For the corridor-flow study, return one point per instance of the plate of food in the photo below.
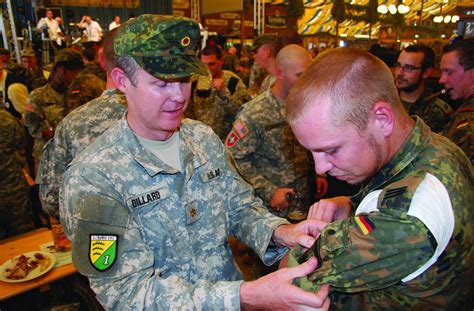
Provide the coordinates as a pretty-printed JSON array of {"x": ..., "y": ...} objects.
[{"x": 26, "y": 266}]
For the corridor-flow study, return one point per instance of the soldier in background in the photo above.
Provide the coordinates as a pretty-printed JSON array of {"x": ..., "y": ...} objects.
[
  {"x": 78, "y": 130},
  {"x": 414, "y": 66},
  {"x": 261, "y": 141},
  {"x": 161, "y": 194},
  {"x": 16, "y": 211},
  {"x": 404, "y": 242},
  {"x": 39, "y": 75},
  {"x": 457, "y": 65},
  {"x": 46, "y": 104},
  {"x": 216, "y": 99}
]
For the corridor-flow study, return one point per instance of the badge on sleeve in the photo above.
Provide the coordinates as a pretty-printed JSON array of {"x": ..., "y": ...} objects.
[
  {"x": 232, "y": 139},
  {"x": 240, "y": 128},
  {"x": 365, "y": 225},
  {"x": 103, "y": 251}
]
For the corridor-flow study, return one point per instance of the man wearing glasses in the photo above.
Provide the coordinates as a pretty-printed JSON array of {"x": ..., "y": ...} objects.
[{"x": 414, "y": 66}]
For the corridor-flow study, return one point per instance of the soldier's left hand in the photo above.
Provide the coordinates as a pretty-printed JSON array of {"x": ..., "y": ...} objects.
[{"x": 304, "y": 233}]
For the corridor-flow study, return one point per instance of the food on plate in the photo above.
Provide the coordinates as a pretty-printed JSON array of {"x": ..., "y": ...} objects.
[{"x": 22, "y": 265}]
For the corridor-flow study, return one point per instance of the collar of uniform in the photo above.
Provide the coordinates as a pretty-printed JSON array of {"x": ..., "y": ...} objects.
[
  {"x": 190, "y": 150},
  {"x": 414, "y": 144},
  {"x": 110, "y": 92}
]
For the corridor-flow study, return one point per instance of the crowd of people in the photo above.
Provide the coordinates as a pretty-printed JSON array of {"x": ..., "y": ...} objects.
[{"x": 162, "y": 150}]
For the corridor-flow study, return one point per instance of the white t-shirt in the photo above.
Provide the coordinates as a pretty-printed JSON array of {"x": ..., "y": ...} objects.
[
  {"x": 53, "y": 27},
  {"x": 113, "y": 25},
  {"x": 93, "y": 31}
]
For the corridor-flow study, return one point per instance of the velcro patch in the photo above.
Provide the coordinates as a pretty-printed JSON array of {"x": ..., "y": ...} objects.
[
  {"x": 240, "y": 128},
  {"x": 102, "y": 251},
  {"x": 364, "y": 223},
  {"x": 232, "y": 139}
]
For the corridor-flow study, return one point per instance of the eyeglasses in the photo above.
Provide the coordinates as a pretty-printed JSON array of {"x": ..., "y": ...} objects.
[{"x": 406, "y": 68}]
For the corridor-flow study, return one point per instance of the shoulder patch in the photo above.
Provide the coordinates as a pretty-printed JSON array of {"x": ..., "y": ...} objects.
[
  {"x": 364, "y": 224},
  {"x": 240, "y": 128},
  {"x": 102, "y": 251},
  {"x": 462, "y": 124},
  {"x": 232, "y": 139}
]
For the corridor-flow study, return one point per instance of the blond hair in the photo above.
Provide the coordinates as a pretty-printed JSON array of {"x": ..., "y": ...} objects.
[{"x": 351, "y": 80}]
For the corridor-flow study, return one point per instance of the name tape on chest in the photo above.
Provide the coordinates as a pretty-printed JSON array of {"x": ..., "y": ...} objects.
[{"x": 144, "y": 198}]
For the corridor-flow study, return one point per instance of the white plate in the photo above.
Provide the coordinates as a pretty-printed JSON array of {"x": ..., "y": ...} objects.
[{"x": 33, "y": 274}]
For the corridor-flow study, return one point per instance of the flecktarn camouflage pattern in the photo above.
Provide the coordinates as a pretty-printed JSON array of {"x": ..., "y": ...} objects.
[{"x": 164, "y": 46}]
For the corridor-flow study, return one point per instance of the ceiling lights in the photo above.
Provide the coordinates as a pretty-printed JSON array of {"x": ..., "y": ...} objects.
[{"x": 393, "y": 9}]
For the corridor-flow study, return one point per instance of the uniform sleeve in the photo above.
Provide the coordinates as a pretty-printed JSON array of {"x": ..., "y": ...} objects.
[
  {"x": 34, "y": 120},
  {"x": 243, "y": 151},
  {"x": 127, "y": 278},
  {"x": 56, "y": 157},
  {"x": 461, "y": 132},
  {"x": 232, "y": 102},
  {"x": 357, "y": 255}
]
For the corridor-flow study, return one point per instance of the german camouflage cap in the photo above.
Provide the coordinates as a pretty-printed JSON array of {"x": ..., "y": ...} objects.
[
  {"x": 28, "y": 53},
  {"x": 164, "y": 46},
  {"x": 263, "y": 39}
]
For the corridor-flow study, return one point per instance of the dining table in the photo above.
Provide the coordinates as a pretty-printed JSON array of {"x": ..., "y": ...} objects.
[{"x": 29, "y": 242}]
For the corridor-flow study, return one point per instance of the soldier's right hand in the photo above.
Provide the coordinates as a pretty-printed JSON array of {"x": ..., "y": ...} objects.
[
  {"x": 276, "y": 291},
  {"x": 329, "y": 210}
]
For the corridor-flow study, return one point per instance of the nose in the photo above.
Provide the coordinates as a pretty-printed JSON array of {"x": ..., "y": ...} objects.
[
  {"x": 179, "y": 91},
  {"x": 442, "y": 79},
  {"x": 321, "y": 163},
  {"x": 398, "y": 71}
]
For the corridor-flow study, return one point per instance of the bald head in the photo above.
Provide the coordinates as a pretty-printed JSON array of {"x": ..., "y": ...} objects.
[
  {"x": 291, "y": 62},
  {"x": 292, "y": 54}
]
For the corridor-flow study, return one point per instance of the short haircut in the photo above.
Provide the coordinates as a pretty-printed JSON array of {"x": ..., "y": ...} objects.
[
  {"x": 428, "y": 54},
  {"x": 351, "y": 80},
  {"x": 212, "y": 50},
  {"x": 129, "y": 67},
  {"x": 274, "y": 47},
  {"x": 109, "y": 50},
  {"x": 465, "y": 50},
  {"x": 89, "y": 54}
]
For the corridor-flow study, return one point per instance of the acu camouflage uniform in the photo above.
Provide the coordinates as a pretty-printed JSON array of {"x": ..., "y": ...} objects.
[
  {"x": 265, "y": 149},
  {"x": 84, "y": 88},
  {"x": 461, "y": 128},
  {"x": 172, "y": 226},
  {"x": 365, "y": 271},
  {"x": 75, "y": 132},
  {"x": 217, "y": 108},
  {"x": 49, "y": 105},
  {"x": 435, "y": 112},
  {"x": 16, "y": 213}
]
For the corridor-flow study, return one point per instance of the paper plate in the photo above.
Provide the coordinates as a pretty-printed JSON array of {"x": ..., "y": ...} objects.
[{"x": 32, "y": 274}]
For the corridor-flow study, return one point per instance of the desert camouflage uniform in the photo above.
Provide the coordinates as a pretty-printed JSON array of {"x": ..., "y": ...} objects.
[
  {"x": 365, "y": 270},
  {"x": 216, "y": 108},
  {"x": 267, "y": 83},
  {"x": 265, "y": 149},
  {"x": 436, "y": 112},
  {"x": 49, "y": 105},
  {"x": 172, "y": 226},
  {"x": 16, "y": 213},
  {"x": 461, "y": 128},
  {"x": 75, "y": 132},
  {"x": 95, "y": 69}
]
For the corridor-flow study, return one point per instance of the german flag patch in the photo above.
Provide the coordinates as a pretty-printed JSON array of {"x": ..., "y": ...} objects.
[{"x": 364, "y": 223}]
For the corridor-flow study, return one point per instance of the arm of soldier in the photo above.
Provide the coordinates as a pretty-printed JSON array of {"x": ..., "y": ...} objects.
[
  {"x": 243, "y": 151},
  {"x": 131, "y": 277},
  {"x": 463, "y": 136},
  {"x": 34, "y": 116},
  {"x": 332, "y": 209},
  {"x": 56, "y": 157},
  {"x": 232, "y": 102}
]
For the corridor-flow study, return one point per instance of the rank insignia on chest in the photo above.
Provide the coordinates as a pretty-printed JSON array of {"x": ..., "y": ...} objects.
[
  {"x": 102, "y": 251},
  {"x": 232, "y": 139},
  {"x": 213, "y": 174},
  {"x": 365, "y": 224}
]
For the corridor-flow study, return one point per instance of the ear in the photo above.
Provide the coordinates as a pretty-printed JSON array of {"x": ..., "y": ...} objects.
[
  {"x": 267, "y": 51},
  {"x": 120, "y": 79},
  {"x": 279, "y": 73},
  {"x": 101, "y": 58},
  {"x": 427, "y": 73},
  {"x": 382, "y": 117}
]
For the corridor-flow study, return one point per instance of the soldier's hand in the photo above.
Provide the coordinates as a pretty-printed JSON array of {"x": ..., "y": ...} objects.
[
  {"x": 279, "y": 201},
  {"x": 276, "y": 291},
  {"x": 303, "y": 233},
  {"x": 218, "y": 84},
  {"x": 329, "y": 210}
]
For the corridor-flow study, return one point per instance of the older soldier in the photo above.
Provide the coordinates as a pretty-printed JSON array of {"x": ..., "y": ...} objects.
[
  {"x": 78, "y": 130},
  {"x": 261, "y": 140},
  {"x": 414, "y": 66},
  {"x": 16, "y": 211},
  {"x": 457, "y": 65},
  {"x": 216, "y": 99},
  {"x": 408, "y": 242},
  {"x": 46, "y": 104},
  {"x": 149, "y": 204}
]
